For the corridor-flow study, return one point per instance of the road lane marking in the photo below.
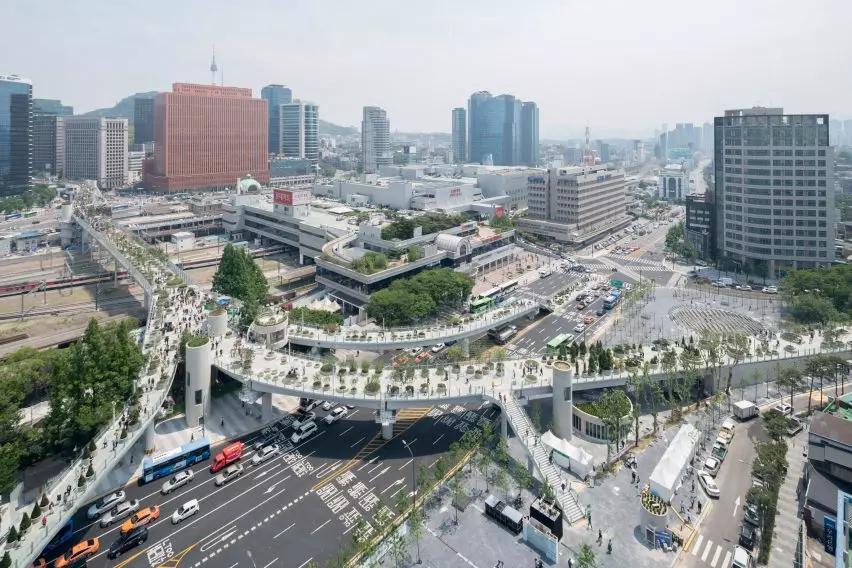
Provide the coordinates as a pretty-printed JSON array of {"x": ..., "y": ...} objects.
[
  {"x": 345, "y": 431},
  {"x": 331, "y": 468},
  {"x": 405, "y": 464},
  {"x": 716, "y": 556},
  {"x": 438, "y": 439},
  {"x": 306, "y": 562},
  {"x": 397, "y": 491},
  {"x": 276, "y": 484},
  {"x": 433, "y": 463},
  {"x": 319, "y": 527},
  {"x": 358, "y": 442},
  {"x": 381, "y": 473},
  {"x": 271, "y": 563},
  {"x": 707, "y": 550},
  {"x": 727, "y": 561},
  {"x": 697, "y": 546},
  {"x": 392, "y": 485},
  {"x": 369, "y": 463},
  {"x": 374, "y": 469},
  {"x": 217, "y": 540},
  {"x": 285, "y": 530}
]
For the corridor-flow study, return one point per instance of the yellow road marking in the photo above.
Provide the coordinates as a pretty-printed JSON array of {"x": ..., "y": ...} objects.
[{"x": 174, "y": 561}]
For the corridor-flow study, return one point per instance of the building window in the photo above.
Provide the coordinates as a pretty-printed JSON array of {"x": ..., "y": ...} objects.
[{"x": 198, "y": 397}]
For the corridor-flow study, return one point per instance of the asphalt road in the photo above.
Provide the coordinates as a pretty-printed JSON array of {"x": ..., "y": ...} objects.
[{"x": 296, "y": 508}]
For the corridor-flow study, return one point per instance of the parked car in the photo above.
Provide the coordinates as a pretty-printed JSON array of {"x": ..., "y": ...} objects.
[
  {"x": 105, "y": 504},
  {"x": 335, "y": 415},
  {"x": 177, "y": 481},
  {"x": 751, "y": 515},
  {"x": 783, "y": 408},
  {"x": 230, "y": 473},
  {"x": 709, "y": 484},
  {"x": 127, "y": 541},
  {"x": 770, "y": 290},
  {"x": 185, "y": 511},
  {"x": 326, "y": 406},
  {"x": 120, "y": 511},
  {"x": 748, "y": 536},
  {"x": 579, "y": 327},
  {"x": 303, "y": 419},
  {"x": 711, "y": 466},
  {"x": 265, "y": 454},
  {"x": 143, "y": 517},
  {"x": 600, "y": 312},
  {"x": 438, "y": 348}
]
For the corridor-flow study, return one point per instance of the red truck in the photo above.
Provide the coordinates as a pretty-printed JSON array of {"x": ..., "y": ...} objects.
[{"x": 227, "y": 456}]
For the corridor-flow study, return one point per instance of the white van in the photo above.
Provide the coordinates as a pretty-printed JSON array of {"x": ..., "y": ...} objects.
[{"x": 304, "y": 432}]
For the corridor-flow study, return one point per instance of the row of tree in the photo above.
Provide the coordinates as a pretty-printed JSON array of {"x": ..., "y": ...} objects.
[
  {"x": 85, "y": 384},
  {"x": 769, "y": 466},
  {"x": 676, "y": 241},
  {"x": 410, "y": 300},
  {"x": 38, "y": 196},
  {"x": 403, "y": 227},
  {"x": 820, "y": 295}
]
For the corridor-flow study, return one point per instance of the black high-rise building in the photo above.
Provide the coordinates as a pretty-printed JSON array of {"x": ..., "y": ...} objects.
[
  {"x": 529, "y": 134},
  {"x": 16, "y": 138},
  {"x": 275, "y": 96},
  {"x": 143, "y": 120},
  {"x": 49, "y": 135}
]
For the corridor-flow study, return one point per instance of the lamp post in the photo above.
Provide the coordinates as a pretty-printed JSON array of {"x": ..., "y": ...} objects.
[{"x": 413, "y": 492}]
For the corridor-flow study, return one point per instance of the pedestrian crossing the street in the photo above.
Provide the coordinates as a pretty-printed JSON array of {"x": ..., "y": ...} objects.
[{"x": 711, "y": 553}]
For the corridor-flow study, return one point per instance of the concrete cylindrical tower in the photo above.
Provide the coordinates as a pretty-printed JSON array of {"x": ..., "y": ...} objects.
[
  {"x": 217, "y": 323},
  {"x": 66, "y": 226},
  {"x": 563, "y": 378},
  {"x": 199, "y": 358}
]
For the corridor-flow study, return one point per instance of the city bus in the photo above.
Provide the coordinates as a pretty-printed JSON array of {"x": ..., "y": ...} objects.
[
  {"x": 503, "y": 335},
  {"x": 500, "y": 290},
  {"x": 480, "y": 304},
  {"x": 555, "y": 344},
  {"x": 16, "y": 215},
  {"x": 176, "y": 459}
]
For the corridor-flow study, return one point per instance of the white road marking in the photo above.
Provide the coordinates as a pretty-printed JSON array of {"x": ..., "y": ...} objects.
[
  {"x": 274, "y": 485},
  {"x": 319, "y": 527},
  {"x": 232, "y": 566},
  {"x": 271, "y": 563},
  {"x": 405, "y": 464},
  {"x": 697, "y": 545},
  {"x": 345, "y": 431},
  {"x": 707, "y": 550},
  {"x": 285, "y": 530},
  {"x": 214, "y": 542},
  {"x": 306, "y": 562},
  {"x": 369, "y": 463},
  {"x": 384, "y": 471},
  {"x": 433, "y": 463},
  {"x": 438, "y": 439},
  {"x": 374, "y": 469},
  {"x": 397, "y": 491},
  {"x": 358, "y": 442},
  {"x": 392, "y": 485},
  {"x": 716, "y": 556},
  {"x": 330, "y": 469},
  {"x": 727, "y": 560}
]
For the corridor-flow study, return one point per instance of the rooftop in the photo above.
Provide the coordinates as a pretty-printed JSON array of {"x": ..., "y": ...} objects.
[
  {"x": 832, "y": 427},
  {"x": 841, "y": 407}
]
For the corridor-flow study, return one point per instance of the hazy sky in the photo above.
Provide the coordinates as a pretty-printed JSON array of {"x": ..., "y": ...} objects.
[{"x": 620, "y": 66}]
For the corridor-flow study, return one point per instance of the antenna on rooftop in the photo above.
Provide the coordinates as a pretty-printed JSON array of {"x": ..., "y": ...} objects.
[{"x": 213, "y": 67}]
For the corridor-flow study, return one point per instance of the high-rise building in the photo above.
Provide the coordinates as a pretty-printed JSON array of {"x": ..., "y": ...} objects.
[
  {"x": 143, "y": 120},
  {"x": 207, "y": 136},
  {"x": 51, "y": 107},
  {"x": 529, "y": 134},
  {"x": 375, "y": 140},
  {"x": 707, "y": 138},
  {"x": 16, "y": 138},
  {"x": 275, "y": 96},
  {"x": 774, "y": 191},
  {"x": 49, "y": 135},
  {"x": 96, "y": 148},
  {"x": 603, "y": 152},
  {"x": 459, "y": 135},
  {"x": 299, "y": 128}
]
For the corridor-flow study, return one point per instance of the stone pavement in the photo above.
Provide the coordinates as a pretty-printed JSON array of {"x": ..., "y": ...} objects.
[{"x": 787, "y": 518}]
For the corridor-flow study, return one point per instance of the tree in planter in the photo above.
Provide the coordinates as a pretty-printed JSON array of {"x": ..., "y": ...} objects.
[
  {"x": 44, "y": 500},
  {"x": 36, "y": 512},
  {"x": 536, "y": 418},
  {"x": 457, "y": 491},
  {"x": 483, "y": 464},
  {"x": 379, "y": 366},
  {"x": 365, "y": 367},
  {"x": 586, "y": 557},
  {"x": 612, "y": 406},
  {"x": 353, "y": 366},
  {"x": 90, "y": 472},
  {"x": 6, "y": 562},
  {"x": 424, "y": 479},
  {"x": 13, "y": 535},
  {"x": 415, "y": 525},
  {"x": 81, "y": 481},
  {"x": 501, "y": 479},
  {"x": 92, "y": 446},
  {"x": 25, "y": 524},
  {"x": 523, "y": 479}
]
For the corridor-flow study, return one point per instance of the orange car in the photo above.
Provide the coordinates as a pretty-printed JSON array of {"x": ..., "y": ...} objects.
[
  {"x": 81, "y": 550},
  {"x": 40, "y": 563},
  {"x": 142, "y": 517},
  {"x": 588, "y": 319}
]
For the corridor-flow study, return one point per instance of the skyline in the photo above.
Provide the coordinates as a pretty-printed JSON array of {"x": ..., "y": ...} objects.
[{"x": 637, "y": 77}]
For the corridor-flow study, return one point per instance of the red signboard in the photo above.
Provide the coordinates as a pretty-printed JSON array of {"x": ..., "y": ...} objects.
[
  {"x": 290, "y": 197},
  {"x": 455, "y": 192},
  {"x": 499, "y": 211}
]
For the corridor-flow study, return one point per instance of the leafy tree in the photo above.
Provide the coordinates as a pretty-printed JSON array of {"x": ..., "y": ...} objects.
[
  {"x": 790, "y": 379},
  {"x": 612, "y": 407},
  {"x": 413, "y": 254},
  {"x": 523, "y": 479},
  {"x": 13, "y": 534},
  {"x": 415, "y": 524},
  {"x": 775, "y": 425},
  {"x": 535, "y": 417},
  {"x": 6, "y": 562},
  {"x": 586, "y": 557},
  {"x": 370, "y": 263},
  {"x": 501, "y": 223},
  {"x": 322, "y": 318},
  {"x": 412, "y": 299},
  {"x": 25, "y": 524},
  {"x": 403, "y": 227},
  {"x": 457, "y": 491},
  {"x": 239, "y": 276}
]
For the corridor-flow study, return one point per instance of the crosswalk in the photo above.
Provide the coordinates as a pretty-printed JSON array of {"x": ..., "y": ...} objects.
[
  {"x": 641, "y": 263},
  {"x": 711, "y": 552}
]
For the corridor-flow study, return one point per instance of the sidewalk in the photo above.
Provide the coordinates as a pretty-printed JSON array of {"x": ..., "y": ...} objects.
[{"x": 787, "y": 517}]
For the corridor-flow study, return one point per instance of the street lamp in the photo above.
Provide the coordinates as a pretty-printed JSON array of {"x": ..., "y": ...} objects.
[{"x": 413, "y": 492}]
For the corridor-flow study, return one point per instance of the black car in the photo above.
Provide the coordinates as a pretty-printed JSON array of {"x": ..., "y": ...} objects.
[
  {"x": 748, "y": 536},
  {"x": 130, "y": 540}
]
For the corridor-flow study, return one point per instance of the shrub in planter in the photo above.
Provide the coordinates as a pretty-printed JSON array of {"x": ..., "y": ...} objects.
[
  {"x": 326, "y": 386},
  {"x": 424, "y": 372},
  {"x": 531, "y": 363},
  {"x": 424, "y": 387},
  {"x": 469, "y": 370},
  {"x": 478, "y": 374},
  {"x": 394, "y": 390},
  {"x": 326, "y": 368},
  {"x": 531, "y": 378},
  {"x": 87, "y": 453},
  {"x": 123, "y": 433},
  {"x": 409, "y": 389},
  {"x": 44, "y": 500},
  {"x": 353, "y": 390},
  {"x": 441, "y": 386},
  {"x": 12, "y": 537},
  {"x": 90, "y": 472},
  {"x": 25, "y": 524},
  {"x": 317, "y": 384},
  {"x": 92, "y": 446},
  {"x": 372, "y": 387},
  {"x": 36, "y": 512}
]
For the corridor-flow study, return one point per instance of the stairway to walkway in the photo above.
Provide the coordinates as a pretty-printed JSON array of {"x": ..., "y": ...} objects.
[{"x": 521, "y": 424}]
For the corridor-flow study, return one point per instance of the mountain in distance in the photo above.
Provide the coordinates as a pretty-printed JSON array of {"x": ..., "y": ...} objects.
[{"x": 124, "y": 109}]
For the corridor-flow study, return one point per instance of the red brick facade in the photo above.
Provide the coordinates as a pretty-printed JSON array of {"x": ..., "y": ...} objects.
[{"x": 208, "y": 136}]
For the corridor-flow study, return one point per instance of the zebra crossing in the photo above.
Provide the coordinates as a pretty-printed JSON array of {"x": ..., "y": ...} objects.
[
  {"x": 640, "y": 263},
  {"x": 711, "y": 552}
]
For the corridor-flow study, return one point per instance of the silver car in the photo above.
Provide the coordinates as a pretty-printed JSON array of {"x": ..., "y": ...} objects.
[
  {"x": 265, "y": 454},
  {"x": 177, "y": 481},
  {"x": 120, "y": 511},
  {"x": 230, "y": 473},
  {"x": 106, "y": 504}
]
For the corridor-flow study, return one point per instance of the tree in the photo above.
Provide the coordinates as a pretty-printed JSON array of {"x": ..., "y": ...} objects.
[
  {"x": 586, "y": 557},
  {"x": 612, "y": 407},
  {"x": 790, "y": 379},
  {"x": 775, "y": 425},
  {"x": 415, "y": 523},
  {"x": 239, "y": 276},
  {"x": 408, "y": 300},
  {"x": 424, "y": 479},
  {"x": 523, "y": 479},
  {"x": 454, "y": 354},
  {"x": 738, "y": 347},
  {"x": 457, "y": 491},
  {"x": 535, "y": 417},
  {"x": 13, "y": 534},
  {"x": 25, "y": 524}
]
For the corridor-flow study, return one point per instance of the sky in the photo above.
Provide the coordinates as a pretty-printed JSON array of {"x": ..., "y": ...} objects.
[{"x": 619, "y": 66}]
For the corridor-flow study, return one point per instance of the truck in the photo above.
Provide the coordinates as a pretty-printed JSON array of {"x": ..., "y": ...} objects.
[
  {"x": 611, "y": 300},
  {"x": 544, "y": 272},
  {"x": 728, "y": 282},
  {"x": 745, "y": 410},
  {"x": 227, "y": 456}
]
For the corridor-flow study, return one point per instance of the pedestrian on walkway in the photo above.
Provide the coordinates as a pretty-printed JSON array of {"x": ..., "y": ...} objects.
[{"x": 600, "y": 537}]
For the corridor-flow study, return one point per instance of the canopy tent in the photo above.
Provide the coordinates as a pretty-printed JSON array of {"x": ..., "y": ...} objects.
[
  {"x": 566, "y": 455},
  {"x": 666, "y": 477},
  {"x": 325, "y": 305}
]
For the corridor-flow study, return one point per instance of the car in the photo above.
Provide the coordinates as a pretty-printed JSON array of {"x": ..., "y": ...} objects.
[
  {"x": 711, "y": 466},
  {"x": 307, "y": 430},
  {"x": 185, "y": 511},
  {"x": 105, "y": 504},
  {"x": 303, "y": 418},
  {"x": 748, "y": 536},
  {"x": 263, "y": 442},
  {"x": 718, "y": 284},
  {"x": 600, "y": 312},
  {"x": 177, "y": 481},
  {"x": 783, "y": 408},
  {"x": 709, "y": 484},
  {"x": 581, "y": 306},
  {"x": 120, "y": 511},
  {"x": 78, "y": 552},
  {"x": 415, "y": 351},
  {"x": 335, "y": 415},
  {"x": 326, "y": 406},
  {"x": 579, "y": 327},
  {"x": 127, "y": 541},
  {"x": 265, "y": 454},
  {"x": 39, "y": 563},
  {"x": 751, "y": 515},
  {"x": 438, "y": 348},
  {"x": 229, "y": 474},
  {"x": 588, "y": 320},
  {"x": 142, "y": 517}
]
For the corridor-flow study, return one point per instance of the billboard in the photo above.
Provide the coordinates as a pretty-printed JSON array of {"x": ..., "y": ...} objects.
[{"x": 291, "y": 197}]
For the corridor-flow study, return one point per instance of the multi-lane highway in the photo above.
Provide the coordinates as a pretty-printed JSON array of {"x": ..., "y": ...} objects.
[{"x": 299, "y": 507}]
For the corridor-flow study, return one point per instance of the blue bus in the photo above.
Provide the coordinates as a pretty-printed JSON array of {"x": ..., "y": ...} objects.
[
  {"x": 168, "y": 462},
  {"x": 16, "y": 215}
]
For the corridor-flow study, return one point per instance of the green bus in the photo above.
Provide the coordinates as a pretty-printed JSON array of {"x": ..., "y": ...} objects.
[
  {"x": 481, "y": 304},
  {"x": 557, "y": 342}
]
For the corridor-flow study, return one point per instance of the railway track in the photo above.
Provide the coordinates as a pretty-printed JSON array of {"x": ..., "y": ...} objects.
[{"x": 70, "y": 309}]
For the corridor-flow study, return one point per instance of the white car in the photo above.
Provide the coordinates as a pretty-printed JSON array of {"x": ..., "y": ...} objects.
[
  {"x": 335, "y": 415},
  {"x": 185, "y": 511},
  {"x": 709, "y": 484},
  {"x": 711, "y": 466},
  {"x": 784, "y": 408},
  {"x": 230, "y": 473},
  {"x": 579, "y": 327},
  {"x": 415, "y": 351},
  {"x": 120, "y": 511},
  {"x": 106, "y": 504},
  {"x": 438, "y": 348},
  {"x": 770, "y": 290},
  {"x": 265, "y": 454},
  {"x": 177, "y": 481},
  {"x": 303, "y": 418},
  {"x": 326, "y": 406}
]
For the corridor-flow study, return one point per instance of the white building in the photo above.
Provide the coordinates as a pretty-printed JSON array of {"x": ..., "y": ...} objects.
[
  {"x": 184, "y": 241},
  {"x": 135, "y": 162},
  {"x": 6, "y": 244},
  {"x": 375, "y": 139},
  {"x": 96, "y": 148},
  {"x": 673, "y": 182},
  {"x": 299, "y": 127},
  {"x": 510, "y": 182}
]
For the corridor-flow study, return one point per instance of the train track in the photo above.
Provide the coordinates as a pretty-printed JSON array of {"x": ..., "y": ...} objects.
[{"x": 70, "y": 309}]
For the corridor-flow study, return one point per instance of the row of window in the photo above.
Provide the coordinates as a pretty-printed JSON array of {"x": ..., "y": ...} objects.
[{"x": 754, "y": 152}]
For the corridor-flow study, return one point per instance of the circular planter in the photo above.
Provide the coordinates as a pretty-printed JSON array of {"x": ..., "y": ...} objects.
[
  {"x": 441, "y": 387},
  {"x": 531, "y": 378},
  {"x": 469, "y": 370}
]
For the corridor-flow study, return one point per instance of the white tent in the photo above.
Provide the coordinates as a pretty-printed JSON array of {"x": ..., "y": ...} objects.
[
  {"x": 568, "y": 456},
  {"x": 666, "y": 477}
]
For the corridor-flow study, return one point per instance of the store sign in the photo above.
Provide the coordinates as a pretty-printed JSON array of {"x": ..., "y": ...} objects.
[
  {"x": 829, "y": 534},
  {"x": 455, "y": 192},
  {"x": 290, "y": 197}
]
